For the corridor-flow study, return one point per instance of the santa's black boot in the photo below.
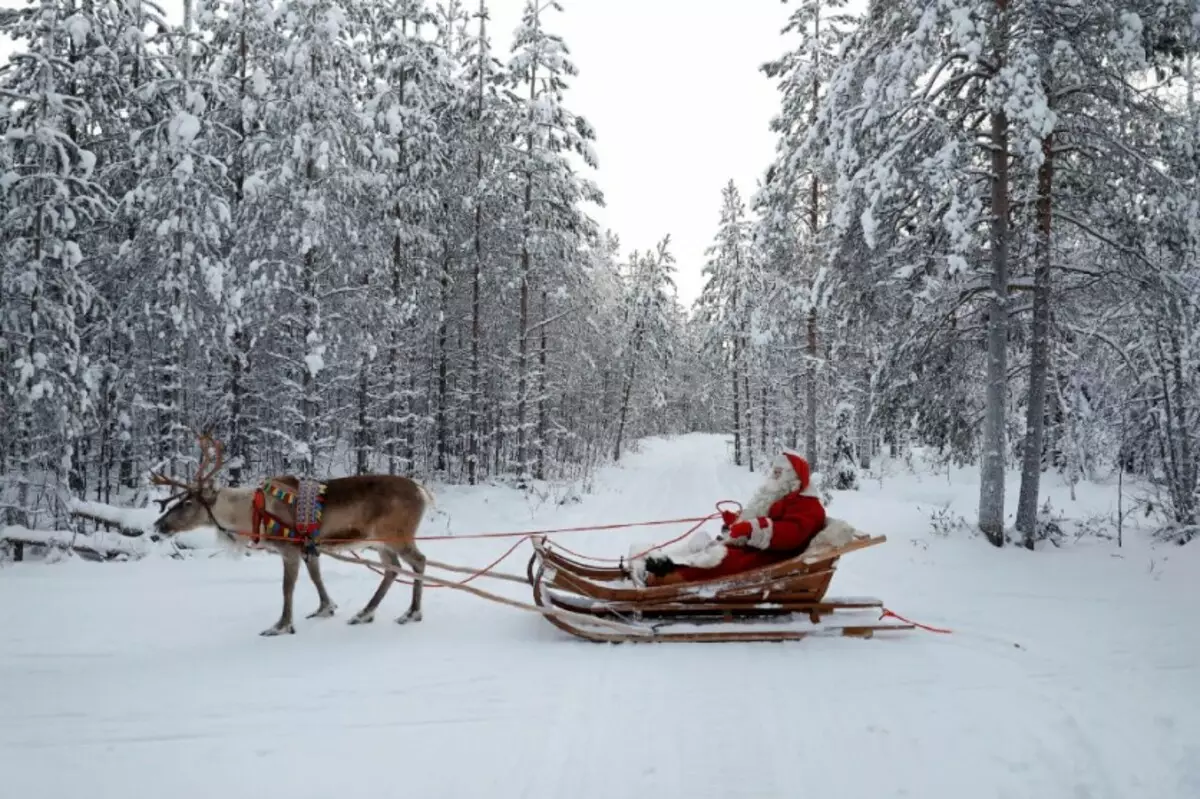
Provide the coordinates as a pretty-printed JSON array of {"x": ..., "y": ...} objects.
[{"x": 659, "y": 565}]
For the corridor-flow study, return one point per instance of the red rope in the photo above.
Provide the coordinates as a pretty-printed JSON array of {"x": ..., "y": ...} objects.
[
  {"x": 675, "y": 540},
  {"x": 887, "y": 613},
  {"x": 562, "y": 530},
  {"x": 522, "y": 537}
]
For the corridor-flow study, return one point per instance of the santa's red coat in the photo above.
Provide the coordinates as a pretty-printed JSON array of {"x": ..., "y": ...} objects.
[{"x": 790, "y": 524}]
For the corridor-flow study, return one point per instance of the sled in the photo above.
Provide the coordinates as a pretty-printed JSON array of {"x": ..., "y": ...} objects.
[{"x": 784, "y": 601}]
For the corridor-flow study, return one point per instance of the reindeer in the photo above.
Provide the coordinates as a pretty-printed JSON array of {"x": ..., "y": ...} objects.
[{"x": 372, "y": 511}]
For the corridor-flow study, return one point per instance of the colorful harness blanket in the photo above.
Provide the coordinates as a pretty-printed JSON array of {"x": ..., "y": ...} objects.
[{"x": 306, "y": 502}]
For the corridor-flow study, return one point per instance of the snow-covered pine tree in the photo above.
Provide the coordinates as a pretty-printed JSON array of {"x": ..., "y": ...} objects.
[
  {"x": 413, "y": 80},
  {"x": 483, "y": 75},
  {"x": 554, "y": 226},
  {"x": 241, "y": 40},
  {"x": 726, "y": 303},
  {"x": 179, "y": 239},
  {"x": 793, "y": 212},
  {"x": 312, "y": 125},
  {"x": 647, "y": 338},
  {"x": 51, "y": 200}
]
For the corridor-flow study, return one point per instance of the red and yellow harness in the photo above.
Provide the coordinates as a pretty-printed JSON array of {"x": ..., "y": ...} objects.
[{"x": 308, "y": 509}]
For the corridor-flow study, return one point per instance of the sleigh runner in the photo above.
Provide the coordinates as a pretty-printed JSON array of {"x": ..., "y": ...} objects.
[{"x": 785, "y": 601}]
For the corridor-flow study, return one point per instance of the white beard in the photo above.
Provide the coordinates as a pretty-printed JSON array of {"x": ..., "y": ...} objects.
[{"x": 770, "y": 492}]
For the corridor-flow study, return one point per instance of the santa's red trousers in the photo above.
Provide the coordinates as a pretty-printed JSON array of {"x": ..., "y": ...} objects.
[{"x": 737, "y": 559}]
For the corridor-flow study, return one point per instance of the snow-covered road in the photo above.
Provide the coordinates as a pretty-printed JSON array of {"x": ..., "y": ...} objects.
[{"x": 1071, "y": 673}]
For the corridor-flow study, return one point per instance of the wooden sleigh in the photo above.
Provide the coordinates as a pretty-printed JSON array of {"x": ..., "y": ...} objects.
[{"x": 762, "y": 604}]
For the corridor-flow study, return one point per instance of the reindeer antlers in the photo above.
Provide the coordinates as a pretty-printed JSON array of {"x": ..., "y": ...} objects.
[
  {"x": 212, "y": 457},
  {"x": 209, "y": 448}
]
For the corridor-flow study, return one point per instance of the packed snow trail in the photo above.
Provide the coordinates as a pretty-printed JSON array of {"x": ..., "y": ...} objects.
[{"x": 1070, "y": 673}]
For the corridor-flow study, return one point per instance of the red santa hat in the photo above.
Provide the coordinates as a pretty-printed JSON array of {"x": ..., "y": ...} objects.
[{"x": 799, "y": 466}]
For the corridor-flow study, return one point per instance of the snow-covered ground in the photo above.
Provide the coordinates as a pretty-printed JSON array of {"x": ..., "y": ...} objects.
[{"x": 1071, "y": 672}]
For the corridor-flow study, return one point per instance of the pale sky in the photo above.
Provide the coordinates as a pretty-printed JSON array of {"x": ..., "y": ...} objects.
[{"x": 679, "y": 105}]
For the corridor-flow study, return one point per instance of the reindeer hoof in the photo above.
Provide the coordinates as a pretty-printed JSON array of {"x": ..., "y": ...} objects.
[
  {"x": 279, "y": 630},
  {"x": 363, "y": 618},
  {"x": 323, "y": 612},
  {"x": 412, "y": 615}
]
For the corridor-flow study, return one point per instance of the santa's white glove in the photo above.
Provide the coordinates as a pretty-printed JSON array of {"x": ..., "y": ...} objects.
[{"x": 756, "y": 533}]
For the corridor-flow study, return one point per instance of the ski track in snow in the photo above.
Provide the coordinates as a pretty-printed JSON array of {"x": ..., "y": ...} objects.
[{"x": 1071, "y": 673}]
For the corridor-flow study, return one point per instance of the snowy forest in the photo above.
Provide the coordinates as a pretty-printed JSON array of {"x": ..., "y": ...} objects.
[{"x": 360, "y": 237}]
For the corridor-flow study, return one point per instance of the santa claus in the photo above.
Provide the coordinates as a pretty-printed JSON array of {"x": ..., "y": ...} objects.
[{"x": 778, "y": 522}]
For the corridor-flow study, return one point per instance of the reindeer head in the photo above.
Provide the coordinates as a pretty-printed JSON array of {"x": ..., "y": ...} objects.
[{"x": 193, "y": 501}]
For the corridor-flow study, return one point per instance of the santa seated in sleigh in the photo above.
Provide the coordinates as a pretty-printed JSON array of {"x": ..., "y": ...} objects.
[{"x": 779, "y": 522}]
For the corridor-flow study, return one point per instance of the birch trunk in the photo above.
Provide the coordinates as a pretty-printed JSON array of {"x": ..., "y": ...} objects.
[{"x": 991, "y": 470}]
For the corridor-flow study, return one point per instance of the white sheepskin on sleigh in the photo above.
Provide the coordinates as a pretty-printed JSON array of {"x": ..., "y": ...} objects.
[{"x": 836, "y": 533}]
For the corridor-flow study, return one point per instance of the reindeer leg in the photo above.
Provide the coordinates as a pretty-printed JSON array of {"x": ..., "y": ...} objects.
[
  {"x": 390, "y": 562},
  {"x": 416, "y": 559},
  {"x": 327, "y": 606},
  {"x": 291, "y": 570}
]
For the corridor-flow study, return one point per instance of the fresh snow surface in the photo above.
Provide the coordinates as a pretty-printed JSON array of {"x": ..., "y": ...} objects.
[{"x": 1071, "y": 672}]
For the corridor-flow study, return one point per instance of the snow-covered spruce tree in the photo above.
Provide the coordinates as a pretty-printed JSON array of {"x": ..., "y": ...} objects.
[
  {"x": 591, "y": 370},
  {"x": 484, "y": 76},
  {"x": 725, "y": 306},
  {"x": 412, "y": 147},
  {"x": 410, "y": 80},
  {"x": 311, "y": 126},
  {"x": 953, "y": 134},
  {"x": 903, "y": 128},
  {"x": 183, "y": 205},
  {"x": 791, "y": 203},
  {"x": 240, "y": 40},
  {"x": 647, "y": 339},
  {"x": 50, "y": 200},
  {"x": 115, "y": 50},
  {"x": 1084, "y": 61},
  {"x": 554, "y": 227},
  {"x": 1154, "y": 231}
]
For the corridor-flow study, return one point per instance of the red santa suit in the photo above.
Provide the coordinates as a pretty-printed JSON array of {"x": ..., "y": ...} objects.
[{"x": 777, "y": 523}]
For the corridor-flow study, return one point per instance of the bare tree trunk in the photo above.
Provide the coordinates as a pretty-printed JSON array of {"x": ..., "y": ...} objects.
[
  {"x": 308, "y": 392},
  {"x": 794, "y": 432},
  {"x": 737, "y": 408},
  {"x": 239, "y": 356},
  {"x": 542, "y": 410},
  {"x": 477, "y": 266},
  {"x": 762, "y": 422},
  {"x": 361, "y": 433},
  {"x": 1039, "y": 357},
  {"x": 628, "y": 389},
  {"x": 810, "y": 392},
  {"x": 443, "y": 356},
  {"x": 523, "y": 358},
  {"x": 410, "y": 408},
  {"x": 991, "y": 472},
  {"x": 865, "y": 437},
  {"x": 749, "y": 420},
  {"x": 396, "y": 360},
  {"x": 814, "y": 224}
]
